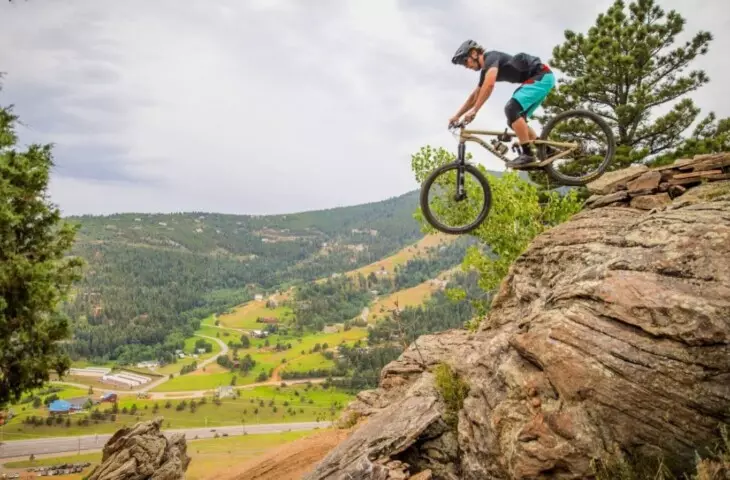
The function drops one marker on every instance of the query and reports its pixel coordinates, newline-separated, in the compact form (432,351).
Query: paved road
(224,350)
(23,448)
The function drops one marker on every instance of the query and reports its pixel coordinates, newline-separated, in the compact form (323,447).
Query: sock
(527,148)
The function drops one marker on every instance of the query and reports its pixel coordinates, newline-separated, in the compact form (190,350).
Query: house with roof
(59,407)
(109,397)
(67,406)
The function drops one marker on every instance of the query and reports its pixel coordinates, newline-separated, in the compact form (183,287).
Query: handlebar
(455,125)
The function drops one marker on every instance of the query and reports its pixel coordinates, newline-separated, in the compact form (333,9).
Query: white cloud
(264,106)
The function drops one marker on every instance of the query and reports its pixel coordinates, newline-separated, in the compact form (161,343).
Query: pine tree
(709,136)
(35,273)
(624,68)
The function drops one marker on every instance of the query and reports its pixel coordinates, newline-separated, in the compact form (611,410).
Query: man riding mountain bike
(536,81)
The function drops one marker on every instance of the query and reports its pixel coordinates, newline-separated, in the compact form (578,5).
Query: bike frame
(466,135)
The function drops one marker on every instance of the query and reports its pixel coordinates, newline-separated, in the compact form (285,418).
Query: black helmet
(463,51)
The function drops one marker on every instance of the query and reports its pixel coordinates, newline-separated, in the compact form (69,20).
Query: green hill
(151,275)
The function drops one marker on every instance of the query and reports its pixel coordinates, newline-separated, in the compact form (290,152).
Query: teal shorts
(533,92)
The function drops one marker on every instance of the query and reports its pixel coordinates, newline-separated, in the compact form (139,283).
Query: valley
(289,352)
(275,349)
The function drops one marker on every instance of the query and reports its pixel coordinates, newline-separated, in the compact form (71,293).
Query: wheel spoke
(445,210)
(595,146)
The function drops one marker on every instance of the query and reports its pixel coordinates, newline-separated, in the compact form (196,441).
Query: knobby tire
(594,174)
(482,214)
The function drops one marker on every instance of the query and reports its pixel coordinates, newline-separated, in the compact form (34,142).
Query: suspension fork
(460,161)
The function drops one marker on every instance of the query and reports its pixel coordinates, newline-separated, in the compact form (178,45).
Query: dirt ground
(288,462)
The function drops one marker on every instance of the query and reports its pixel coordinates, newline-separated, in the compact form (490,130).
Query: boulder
(596,201)
(646,183)
(142,452)
(649,202)
(608,182)
(610,334)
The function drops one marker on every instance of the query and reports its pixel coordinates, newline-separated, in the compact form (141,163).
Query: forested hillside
(148,276)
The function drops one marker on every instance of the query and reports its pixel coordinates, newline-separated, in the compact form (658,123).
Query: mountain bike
(460,196)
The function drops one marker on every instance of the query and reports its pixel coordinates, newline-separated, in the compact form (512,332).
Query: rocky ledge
(610,334)
(142,452)
(645,189)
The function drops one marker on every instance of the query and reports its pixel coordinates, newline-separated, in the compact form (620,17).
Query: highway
(60,445)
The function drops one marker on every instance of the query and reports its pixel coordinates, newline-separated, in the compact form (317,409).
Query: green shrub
(453,390)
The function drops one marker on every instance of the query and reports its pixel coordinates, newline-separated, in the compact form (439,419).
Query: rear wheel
(449,212)
(596,147)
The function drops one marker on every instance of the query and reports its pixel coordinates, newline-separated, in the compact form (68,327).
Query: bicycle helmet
(462,52)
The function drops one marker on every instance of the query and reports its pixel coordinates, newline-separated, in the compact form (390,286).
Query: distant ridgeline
(150,278)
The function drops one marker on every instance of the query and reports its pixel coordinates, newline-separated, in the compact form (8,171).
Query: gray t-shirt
(512,68)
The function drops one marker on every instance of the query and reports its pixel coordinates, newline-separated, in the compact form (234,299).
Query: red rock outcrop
(611,332)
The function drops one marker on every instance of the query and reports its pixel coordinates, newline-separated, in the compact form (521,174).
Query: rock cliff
(611,333)
(142,452)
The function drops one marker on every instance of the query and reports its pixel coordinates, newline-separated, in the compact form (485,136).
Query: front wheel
(449,211)
(596,147)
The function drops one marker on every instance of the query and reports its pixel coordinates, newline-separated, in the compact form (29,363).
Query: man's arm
(486,89)
(468,104)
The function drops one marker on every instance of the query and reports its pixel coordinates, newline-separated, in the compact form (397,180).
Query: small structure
(89,371)
(109,397)
(127,379)
(149,364)
(60,407)
(225,391)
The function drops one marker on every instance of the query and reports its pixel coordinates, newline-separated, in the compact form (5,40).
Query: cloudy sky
(269,106)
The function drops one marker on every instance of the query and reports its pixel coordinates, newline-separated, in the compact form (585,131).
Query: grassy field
(209,456)
(301,347)
(245,316)
(405,298)
(215,332)
(267,359)
(65,392)
(293,403)
(208,321)
(189,348)
(209,369)
(190,382)
(305,363)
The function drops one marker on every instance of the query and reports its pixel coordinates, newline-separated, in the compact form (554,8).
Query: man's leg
(525,133)
(525,100)
(522,130)
(516,119)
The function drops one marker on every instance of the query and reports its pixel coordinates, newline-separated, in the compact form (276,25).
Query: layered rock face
(142,452)
(611,332)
